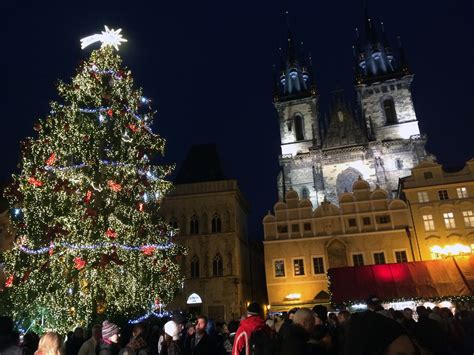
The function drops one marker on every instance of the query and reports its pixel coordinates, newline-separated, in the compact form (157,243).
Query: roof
(201,164)
(433,279)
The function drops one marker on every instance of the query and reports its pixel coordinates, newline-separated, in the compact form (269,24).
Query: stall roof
(433,279)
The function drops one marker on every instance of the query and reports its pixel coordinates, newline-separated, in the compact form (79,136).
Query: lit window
(298,267)
(307,227)
(358,259)
(449,220)
(423,196)
(401,256)
(443,194)
(468,219)
(318,265)
(279,268)
(429,222)
(217,268)
(462,192)
(379,258)
(352,222)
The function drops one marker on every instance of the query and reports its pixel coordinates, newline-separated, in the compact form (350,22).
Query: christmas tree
(90,242)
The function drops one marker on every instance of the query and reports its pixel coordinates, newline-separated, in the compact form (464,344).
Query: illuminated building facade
(301,244)
(442,208)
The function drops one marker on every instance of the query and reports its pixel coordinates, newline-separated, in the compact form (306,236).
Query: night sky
(207,65)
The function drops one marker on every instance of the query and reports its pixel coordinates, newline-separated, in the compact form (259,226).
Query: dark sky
(208,67)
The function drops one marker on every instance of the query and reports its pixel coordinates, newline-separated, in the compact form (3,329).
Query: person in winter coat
(199,342)
(170,345)
(253,323)
(137,344)
(50,344)
(110,337)
(89,346)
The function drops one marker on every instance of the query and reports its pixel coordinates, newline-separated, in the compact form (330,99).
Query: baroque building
(442,208)
(211,214)
(379,141)
(301,244)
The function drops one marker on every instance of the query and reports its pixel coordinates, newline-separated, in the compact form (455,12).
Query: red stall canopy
(432,279)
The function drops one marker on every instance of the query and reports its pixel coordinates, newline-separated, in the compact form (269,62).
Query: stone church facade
(379,140)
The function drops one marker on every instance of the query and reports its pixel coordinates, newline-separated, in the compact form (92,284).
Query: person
(137,343)
(429,333)
(74,343)
(30,343)
(110,338)
(230,335)
(199,342)
(216,340)
(371,332)
(298,340)
(253,335)
(8,344)
(170,345)
(49,344)
(285,327)
(89,346)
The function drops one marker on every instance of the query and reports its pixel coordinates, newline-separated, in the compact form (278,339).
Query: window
(399,164)
(449,220)
(295,228)
(383,219)
(307,227)
(358,259)
(174,222)
(299,128)
(468,219)
(429,222)
(194,225)
(443,194)
(318,265)
(279,268)
(379,258)
(298,267)
(283,229)
(389,110)
(428,175)
(366,221)
(216,223)
(304,192)
(217,269)
(462,192)
(401,256)
(352,222)
(195,267)
(423,196)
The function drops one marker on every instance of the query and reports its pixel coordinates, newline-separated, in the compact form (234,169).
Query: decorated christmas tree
(90,242)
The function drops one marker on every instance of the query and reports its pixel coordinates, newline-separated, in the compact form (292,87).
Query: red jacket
(246,328)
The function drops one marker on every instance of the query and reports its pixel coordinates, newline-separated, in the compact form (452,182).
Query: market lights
(448,250)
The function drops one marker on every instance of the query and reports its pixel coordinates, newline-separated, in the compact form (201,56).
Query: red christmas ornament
(133,127)
(9,281)
(111,233)
(114,186)
(148,250)
(34,182)
(141,206)
(79,263)
(110,112)
(51,160)
(88,196)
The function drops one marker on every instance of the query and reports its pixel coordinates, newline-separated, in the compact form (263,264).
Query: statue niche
(337,255)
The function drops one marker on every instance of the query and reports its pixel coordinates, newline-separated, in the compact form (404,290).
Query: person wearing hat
(251,325)
(170,345)
(110,337)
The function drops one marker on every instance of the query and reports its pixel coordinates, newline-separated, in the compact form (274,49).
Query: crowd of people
(302,331)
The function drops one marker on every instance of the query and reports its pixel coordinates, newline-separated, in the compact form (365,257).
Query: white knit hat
(171,328)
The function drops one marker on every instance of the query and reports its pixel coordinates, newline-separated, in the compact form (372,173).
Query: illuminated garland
(94,247)
(148,315)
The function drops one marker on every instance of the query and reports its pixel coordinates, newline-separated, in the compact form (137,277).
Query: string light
(94,247)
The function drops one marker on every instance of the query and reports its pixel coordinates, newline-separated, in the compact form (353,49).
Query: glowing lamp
(293,296)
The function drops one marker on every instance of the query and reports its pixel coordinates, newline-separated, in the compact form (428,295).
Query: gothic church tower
(380,144)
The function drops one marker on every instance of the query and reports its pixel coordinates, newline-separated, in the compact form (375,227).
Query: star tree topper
(109,37)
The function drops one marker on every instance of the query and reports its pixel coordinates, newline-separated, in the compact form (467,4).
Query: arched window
(304,192)
(217,268)
(389,110)
(174,222)
(299,128)
(216,223)
(194,225)
(195,267)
